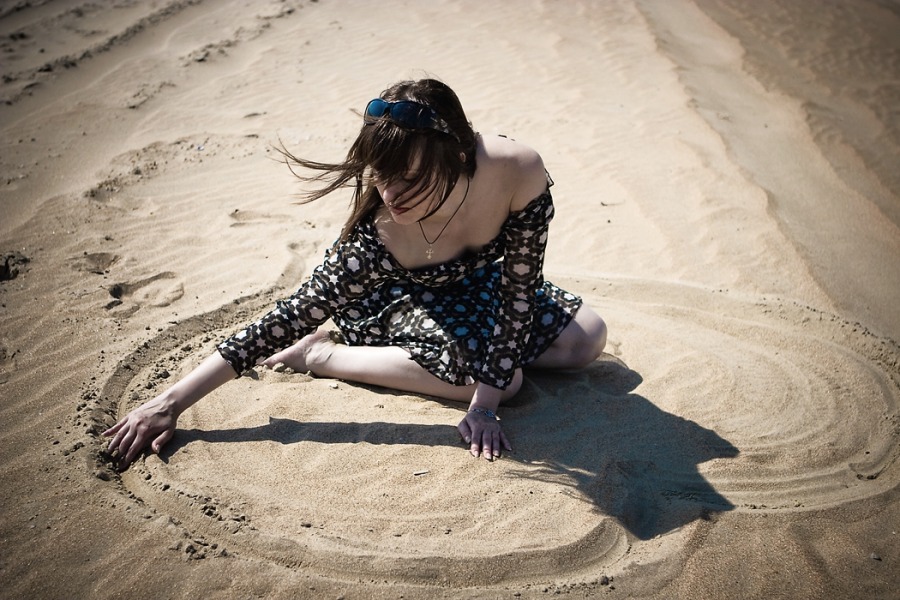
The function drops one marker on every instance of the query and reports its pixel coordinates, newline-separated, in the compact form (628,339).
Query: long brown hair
(389,150)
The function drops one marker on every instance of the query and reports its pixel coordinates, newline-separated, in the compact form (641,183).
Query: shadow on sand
(585,430)
(634,461)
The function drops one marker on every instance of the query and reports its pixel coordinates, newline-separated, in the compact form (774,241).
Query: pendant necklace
(430,251)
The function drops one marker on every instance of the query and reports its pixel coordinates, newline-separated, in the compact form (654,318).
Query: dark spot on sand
(11,264)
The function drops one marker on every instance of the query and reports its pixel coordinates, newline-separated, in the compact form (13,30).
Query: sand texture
(728,199)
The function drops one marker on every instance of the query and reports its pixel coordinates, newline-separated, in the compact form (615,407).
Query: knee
(600,338)
(514,387)
(592,342)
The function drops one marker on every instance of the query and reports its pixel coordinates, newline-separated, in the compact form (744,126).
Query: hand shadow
(582,429)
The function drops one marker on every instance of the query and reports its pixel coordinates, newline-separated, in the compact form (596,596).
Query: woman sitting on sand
(435,284)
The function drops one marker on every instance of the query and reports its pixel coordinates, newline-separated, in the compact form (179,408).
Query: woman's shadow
(632,460)
(585,430)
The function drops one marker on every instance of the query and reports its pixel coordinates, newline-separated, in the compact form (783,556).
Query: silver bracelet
(483,411)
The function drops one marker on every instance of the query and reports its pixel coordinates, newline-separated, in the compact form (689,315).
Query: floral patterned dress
(476,318)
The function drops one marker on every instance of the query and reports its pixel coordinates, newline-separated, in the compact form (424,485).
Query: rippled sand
(727,199)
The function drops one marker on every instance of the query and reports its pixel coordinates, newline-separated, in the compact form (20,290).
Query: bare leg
(579,344)
(386,366)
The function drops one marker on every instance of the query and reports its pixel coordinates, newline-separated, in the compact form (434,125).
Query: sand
(727,198)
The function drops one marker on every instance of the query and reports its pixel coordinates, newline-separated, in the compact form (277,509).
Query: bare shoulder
(519,166)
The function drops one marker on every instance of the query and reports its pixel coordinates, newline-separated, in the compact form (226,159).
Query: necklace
(430,251)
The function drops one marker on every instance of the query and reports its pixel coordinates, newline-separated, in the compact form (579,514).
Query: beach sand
(727,197)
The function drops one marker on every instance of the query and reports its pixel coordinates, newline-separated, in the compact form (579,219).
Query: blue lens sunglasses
(407,114)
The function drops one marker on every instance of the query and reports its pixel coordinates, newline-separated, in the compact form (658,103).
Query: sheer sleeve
(525,239)
(295,317)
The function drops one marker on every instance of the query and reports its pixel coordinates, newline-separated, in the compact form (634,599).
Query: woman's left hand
(483,434)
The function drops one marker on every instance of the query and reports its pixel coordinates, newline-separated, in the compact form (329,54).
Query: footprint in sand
(717,402)
(158,290)
(94,262)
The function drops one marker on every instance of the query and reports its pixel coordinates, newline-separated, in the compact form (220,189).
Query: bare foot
(303,356)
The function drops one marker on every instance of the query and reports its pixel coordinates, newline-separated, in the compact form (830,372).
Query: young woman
(435,284)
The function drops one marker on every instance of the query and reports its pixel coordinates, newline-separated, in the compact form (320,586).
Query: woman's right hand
(152,423)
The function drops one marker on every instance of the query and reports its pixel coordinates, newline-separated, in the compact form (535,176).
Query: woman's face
(406,206)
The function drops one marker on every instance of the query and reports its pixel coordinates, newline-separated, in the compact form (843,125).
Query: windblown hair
(385,151)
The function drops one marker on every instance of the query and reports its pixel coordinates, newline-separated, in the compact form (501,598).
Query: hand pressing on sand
(483,434)
(481,428)
(153,423)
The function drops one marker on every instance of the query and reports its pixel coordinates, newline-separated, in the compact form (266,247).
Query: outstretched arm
(154,421)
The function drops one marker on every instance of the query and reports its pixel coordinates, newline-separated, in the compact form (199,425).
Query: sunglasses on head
(407,114)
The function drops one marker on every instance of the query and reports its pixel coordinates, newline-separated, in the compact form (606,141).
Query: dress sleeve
(525,238)
(292,318)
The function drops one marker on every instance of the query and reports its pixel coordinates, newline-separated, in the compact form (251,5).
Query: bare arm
(154,421)
(525,233)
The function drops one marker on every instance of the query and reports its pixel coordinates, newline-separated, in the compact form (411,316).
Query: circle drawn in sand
(725,403)
(810,400)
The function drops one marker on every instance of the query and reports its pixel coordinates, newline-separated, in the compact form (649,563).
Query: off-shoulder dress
(476,318)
